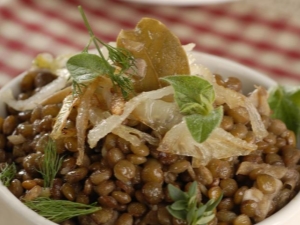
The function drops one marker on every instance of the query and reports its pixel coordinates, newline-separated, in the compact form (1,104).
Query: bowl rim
(287,213)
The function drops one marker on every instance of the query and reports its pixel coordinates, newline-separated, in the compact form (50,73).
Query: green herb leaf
(201,210)
(176,194)
(195,97)
(285,104)
(212,203)
(7,173)
(179,205)
(60,210)
(194,213)
(201,126)
(85,67)
(179,214)
(193,190)
(205,220)
(51,163)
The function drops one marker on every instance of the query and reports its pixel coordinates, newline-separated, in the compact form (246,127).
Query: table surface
(261,34)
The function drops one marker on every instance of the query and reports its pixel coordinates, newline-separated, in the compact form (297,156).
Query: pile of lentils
(131,182)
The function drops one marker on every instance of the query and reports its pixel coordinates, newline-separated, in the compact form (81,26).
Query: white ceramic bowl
(13,212)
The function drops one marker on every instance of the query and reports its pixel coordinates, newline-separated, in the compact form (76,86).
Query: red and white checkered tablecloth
(262,34)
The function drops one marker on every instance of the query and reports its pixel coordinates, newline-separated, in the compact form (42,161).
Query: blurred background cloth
(261,34)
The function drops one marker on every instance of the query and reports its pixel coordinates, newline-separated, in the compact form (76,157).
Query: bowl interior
(13,212)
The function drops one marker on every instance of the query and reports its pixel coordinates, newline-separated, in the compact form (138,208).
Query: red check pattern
(262,34)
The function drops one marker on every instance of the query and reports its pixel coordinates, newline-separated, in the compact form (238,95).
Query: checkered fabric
(261,34)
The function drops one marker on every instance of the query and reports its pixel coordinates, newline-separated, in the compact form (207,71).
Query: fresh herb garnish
(60,210)
(50,164)
(7,173)
(285,104)
(85,67)
(187,208)
(195,97)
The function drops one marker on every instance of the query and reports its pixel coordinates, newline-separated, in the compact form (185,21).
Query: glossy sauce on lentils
(131,182)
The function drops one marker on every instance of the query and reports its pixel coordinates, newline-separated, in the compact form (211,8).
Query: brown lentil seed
(179,166)
(71,144)
(277,127)
(27,82)
(24,115)
(9,124)
(226,204)
(228,186)
(43,78)
(108,202)
(121,197)
(152,171)
(102,216)
(266,183)
(220,169)
(239,130)
(76,175)
(110,141)
(114,155)
(227,123)
(249,207)
(242,219)
(125,219)
(163,216)
(226,216)
(99,176)
(68,191)
(135,159)
(51,110)
(124,170)
(136,209)
(105,188)
(28,184)
(16,188)
(26,130)
(141,150)
(153,192)
(239,195)
(239,115)
(214,192)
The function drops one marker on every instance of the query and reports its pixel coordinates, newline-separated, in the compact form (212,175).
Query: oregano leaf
(85,67)
(201,126)
(176,194)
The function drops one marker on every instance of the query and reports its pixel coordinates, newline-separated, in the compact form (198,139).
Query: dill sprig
(60,210)
(50,164)
(85,67)
(187,208)
(7,173)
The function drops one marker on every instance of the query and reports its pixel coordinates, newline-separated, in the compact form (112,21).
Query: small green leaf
(193,189)
(285,104)
(176,194)
(179,214)
(179,205)
(192,94)
(85,67)
(201,126)
(205,220)
(213,203)
(195,97)
(200,211)
(190,218)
